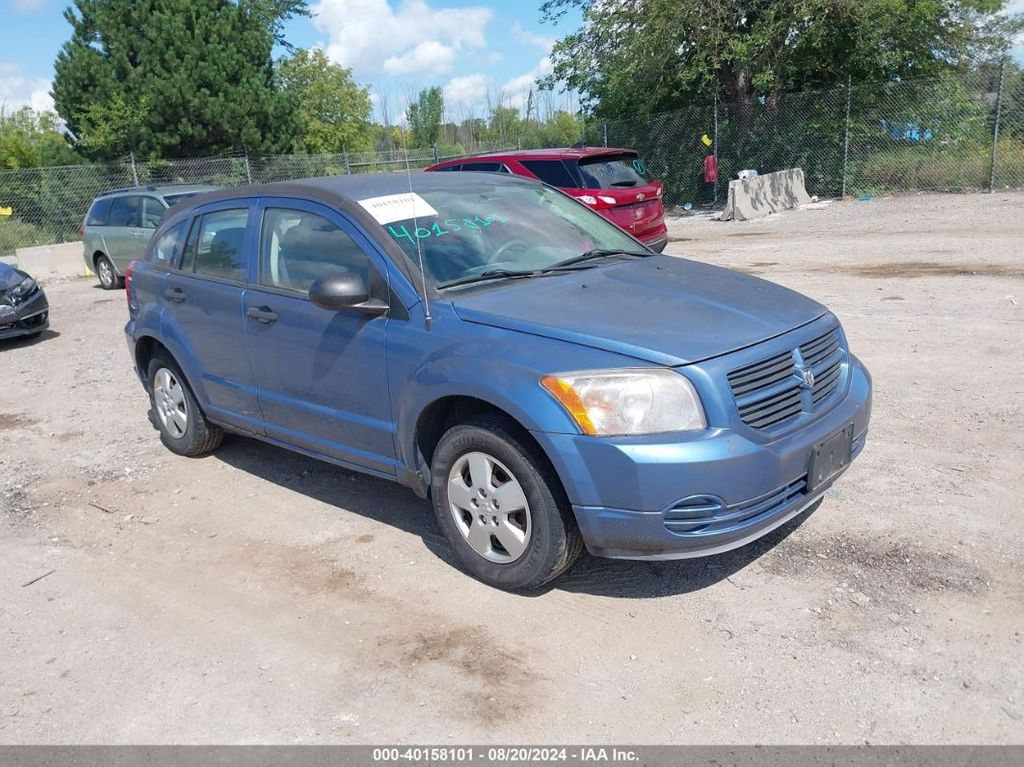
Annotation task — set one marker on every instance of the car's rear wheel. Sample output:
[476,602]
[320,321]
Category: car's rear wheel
[501,505]
[183,427]
[105,271]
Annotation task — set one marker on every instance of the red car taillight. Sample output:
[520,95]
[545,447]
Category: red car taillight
[128,282]
[597,202]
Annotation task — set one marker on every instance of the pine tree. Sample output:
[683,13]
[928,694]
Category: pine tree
[175,78]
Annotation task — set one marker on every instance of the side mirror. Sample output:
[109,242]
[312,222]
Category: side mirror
[345,291]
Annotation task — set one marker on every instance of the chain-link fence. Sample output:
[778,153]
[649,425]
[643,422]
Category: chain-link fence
[951,133]
[41,206]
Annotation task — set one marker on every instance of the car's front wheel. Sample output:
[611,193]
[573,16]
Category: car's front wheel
[183,427]
[501,505]
[105,271]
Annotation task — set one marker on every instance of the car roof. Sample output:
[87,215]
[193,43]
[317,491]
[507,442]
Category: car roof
[161,189]
[566,153]
[349,188]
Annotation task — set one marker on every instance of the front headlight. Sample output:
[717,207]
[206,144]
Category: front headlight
[625,402]
[23,290]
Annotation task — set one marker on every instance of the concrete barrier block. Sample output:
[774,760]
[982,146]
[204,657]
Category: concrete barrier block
[773,192]
[63,260]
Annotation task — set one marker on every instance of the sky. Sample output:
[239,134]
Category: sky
[482,52]
[479,51]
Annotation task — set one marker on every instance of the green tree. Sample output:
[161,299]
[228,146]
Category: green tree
[31,139]
[172,78]
[635,57]
[335,112]
[425,115]
[505,125]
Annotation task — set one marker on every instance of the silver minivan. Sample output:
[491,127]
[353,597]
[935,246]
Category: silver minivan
[120,222]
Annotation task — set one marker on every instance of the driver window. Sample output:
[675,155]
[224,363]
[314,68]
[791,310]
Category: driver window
[298,247]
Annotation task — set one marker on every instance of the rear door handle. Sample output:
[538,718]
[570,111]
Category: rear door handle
[175,294]
[262,314]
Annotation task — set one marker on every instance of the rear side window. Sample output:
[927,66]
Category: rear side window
[168,247]
[124,211]
[218,244]
[152,212]
[485,167]
[98,213]
[447,168]
[298,247]
[613,172]
[551,172]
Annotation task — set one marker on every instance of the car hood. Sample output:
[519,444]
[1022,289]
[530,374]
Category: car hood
[665,310]
[9,276]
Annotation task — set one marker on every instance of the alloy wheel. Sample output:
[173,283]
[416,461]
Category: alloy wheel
[489,507]
[170,403]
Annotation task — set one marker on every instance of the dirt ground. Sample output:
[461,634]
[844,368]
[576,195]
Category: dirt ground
[255,596]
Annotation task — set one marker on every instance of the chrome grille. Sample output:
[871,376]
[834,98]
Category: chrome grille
[769,392]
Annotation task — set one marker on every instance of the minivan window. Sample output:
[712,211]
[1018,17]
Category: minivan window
[298,247]
[124,211]
[218,247]
[167,248]
[98,213]
[174,199]
[551,172]
[613,172]
[152,212]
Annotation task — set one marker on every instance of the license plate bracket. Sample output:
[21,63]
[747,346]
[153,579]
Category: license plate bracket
[829,457]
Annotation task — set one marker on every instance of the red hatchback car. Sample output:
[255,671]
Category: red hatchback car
[613,182]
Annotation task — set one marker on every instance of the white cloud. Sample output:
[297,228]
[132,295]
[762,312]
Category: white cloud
[543,42]
[18,90]
[375,37]
[30,6]
[467,92]
[428,58]
[516,90]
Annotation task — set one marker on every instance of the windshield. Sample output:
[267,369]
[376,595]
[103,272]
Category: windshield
[613,172]
[478,227]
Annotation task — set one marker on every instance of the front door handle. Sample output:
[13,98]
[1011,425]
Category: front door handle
[262,314]
[175,294]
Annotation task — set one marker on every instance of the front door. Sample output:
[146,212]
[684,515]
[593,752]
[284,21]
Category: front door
[203,304]
[321,375]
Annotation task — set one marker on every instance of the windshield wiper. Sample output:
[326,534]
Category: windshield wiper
[491,274]
[569,264]
[593,255]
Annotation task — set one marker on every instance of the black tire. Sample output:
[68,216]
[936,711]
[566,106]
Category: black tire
[107,275]
[554,541]
[199,436]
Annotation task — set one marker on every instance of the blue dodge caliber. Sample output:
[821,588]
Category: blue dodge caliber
[542,377]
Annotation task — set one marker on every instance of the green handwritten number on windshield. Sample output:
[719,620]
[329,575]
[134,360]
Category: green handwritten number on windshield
[477,224]
[639,167]
[400,234]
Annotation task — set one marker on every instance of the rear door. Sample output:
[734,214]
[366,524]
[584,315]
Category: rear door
[321,375]
[203,312]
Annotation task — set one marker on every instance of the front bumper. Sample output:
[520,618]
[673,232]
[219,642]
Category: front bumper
[672,498]
[28,319]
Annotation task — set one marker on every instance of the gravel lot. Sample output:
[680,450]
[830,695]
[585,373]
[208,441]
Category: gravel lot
[256,596]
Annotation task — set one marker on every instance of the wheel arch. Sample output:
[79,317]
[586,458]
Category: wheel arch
[447,411]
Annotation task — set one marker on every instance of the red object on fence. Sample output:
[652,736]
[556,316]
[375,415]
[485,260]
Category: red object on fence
[710,169]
